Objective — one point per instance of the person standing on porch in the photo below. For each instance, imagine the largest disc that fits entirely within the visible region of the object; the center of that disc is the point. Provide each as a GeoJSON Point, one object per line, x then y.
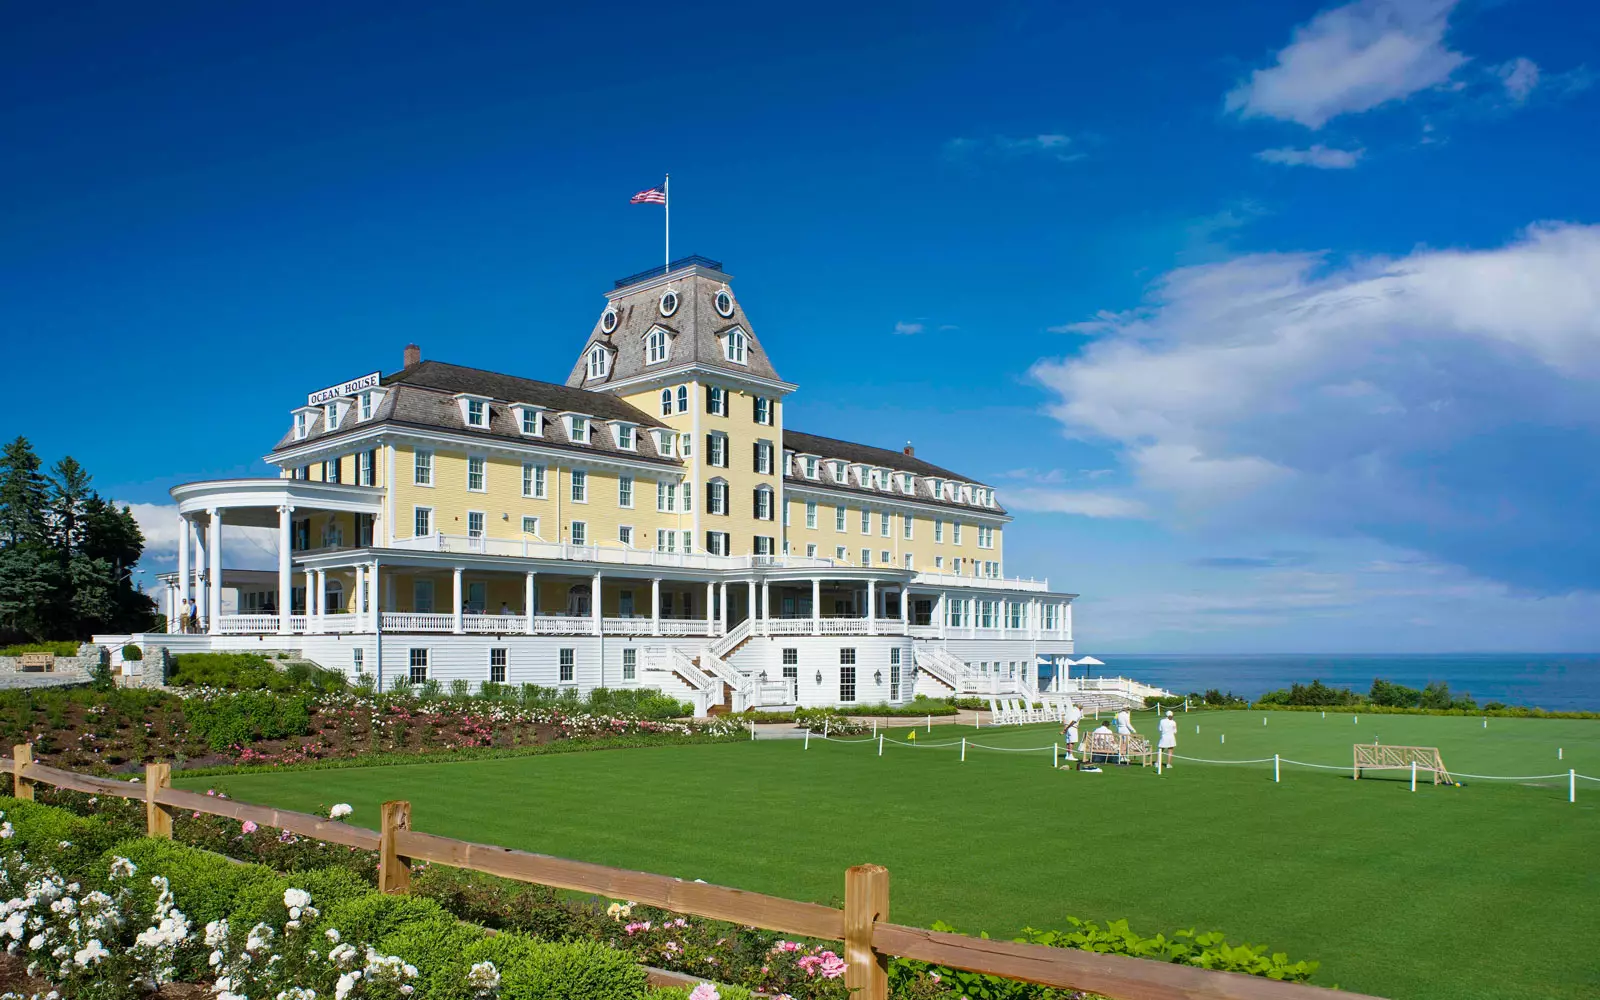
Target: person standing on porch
{"type": "Point", "coordinates": [1169, 737]}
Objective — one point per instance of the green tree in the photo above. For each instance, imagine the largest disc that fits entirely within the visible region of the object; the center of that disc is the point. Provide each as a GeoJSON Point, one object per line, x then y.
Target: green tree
{"type": "Point", "coordinates": [24, 493]}
{"type": "Point", "coordinates": [69, 497]}
{"type": "Point", "coordinates": [31, 586]}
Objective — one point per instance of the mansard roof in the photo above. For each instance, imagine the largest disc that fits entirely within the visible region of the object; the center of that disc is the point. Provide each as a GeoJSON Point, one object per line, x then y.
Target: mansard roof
{"type": "Point", "coordinates": [696, 327]}
{"type": "Point", "coordinates": [879, 458]}
{"type": "Point", "coordinates": [423, 396]}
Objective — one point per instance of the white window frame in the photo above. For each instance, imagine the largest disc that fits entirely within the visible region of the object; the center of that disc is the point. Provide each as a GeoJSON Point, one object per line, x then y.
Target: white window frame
{"type": "Point", "coordinates": [764, 453]}
{"type": "Point", "coordinates": [839, 473]}
{"type": "Point", "coordinates": [630, 663]}
{"type": "Point", "coordinates": [884, 528]}
{"type": "Point", "coordinates": [866, 521]}
{"type": "Point", "coordinates": [531, 422]}
{"type": "Point", "coordinates": [599, 362]}
{"type": "Point", "coordinates": [578, 491]}
{"type": "Point", "coordinates": [839, 518]}
{"type": "Point", "coordinates": [480, 409]}
{"type": "Point", "coordinates": [955, 532]}
{"type": "Point", "coordinates": [534, 480]}
{"type": "Point", "coordinates": [625, 534]}
{"type": "Point", "coordinates": [625, 492]}
{"type": "Point", "coordinates": [577, 428]}
{"type": "Point", "coordinates": [906, 526]}
{"type": "Point", "coordinates": [625, 437]}
{"type": "Point", "coordinates": [483, 523]}
{"type": "Point", "coordinates": [422, 468]}
{"type": "Point", "coordinates": [811, 514]}
{"type": "Point", "coordinates": [811, 466]}
{"type": "Point", "coordinates": [657, 346]}
{"type": "Point", "coordinates": [765, 408]}
{"type": "Point", "coordinates": [666, 497]}
{"type": "Point", "coordinates": [579, 533]}
{"type": "Point", "coordinates": [717, 400]}
{"type": "Point", "coordinates": [736, 347]}
{"type": "Point", "coordinates": [764, 501]}
{"type": "Point", "coordinates": [717, 497]}
{"type": "Point", "coordinates": [482, 464]}
{"type": "Point", "coordinates": [717, 449]}
{"type": "Point", "coordinates": [534, 529]}
{"type": "Point", "coordinates": [664, 440]}
{"type": "Point", "coordinates": [427, 515]}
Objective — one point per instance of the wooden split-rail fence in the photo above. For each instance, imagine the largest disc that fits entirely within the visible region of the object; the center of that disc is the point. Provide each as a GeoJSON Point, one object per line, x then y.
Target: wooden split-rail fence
{"type": "Point", "coordinates": [870, 940]}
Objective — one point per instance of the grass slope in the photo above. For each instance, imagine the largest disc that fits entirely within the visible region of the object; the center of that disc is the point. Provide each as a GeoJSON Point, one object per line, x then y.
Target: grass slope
{"type": "Point", "coordinates": [1481, 891]}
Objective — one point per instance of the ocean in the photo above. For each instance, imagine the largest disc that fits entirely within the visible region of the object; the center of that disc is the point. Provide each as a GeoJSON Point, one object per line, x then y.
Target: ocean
{"type": "Point", "coordinates": [1552, 681]}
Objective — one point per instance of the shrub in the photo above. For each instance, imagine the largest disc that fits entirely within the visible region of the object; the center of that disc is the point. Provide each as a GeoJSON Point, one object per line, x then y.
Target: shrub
{"type": "Point", "coordinates": [131, 653]}
{"type": "Point", "coordinates": [374, 917]}
{"type": "Point", "coordinates": [828, 720]}
{"type": "Point", "coordinates": [236, 719]}
{"type": "Point", "coordinates": [205, 885]}
{"type": "Point", "coordinates": [249, 672]}
{"type": "Point", "coordinates": [577, 970]}
{"type": "Point", "coordinates": [58, 648]}
{"type": "Point", "coordinates": [70, 843]}
{"type": "Point", "coordinates": [262, 900]}
{"type": "Point", "coordinates": [1315, 693]}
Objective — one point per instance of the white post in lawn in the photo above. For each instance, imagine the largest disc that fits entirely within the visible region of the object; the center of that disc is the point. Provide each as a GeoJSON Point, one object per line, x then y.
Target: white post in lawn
{"type": "Point", "coordinates": [808, 739]}
{"type": "Point", "coordinates": [880, 744]}
{"type": "Point", "coordinates": [1572, 784]}
{"type": "Point", "coordinates": [1413, 776]}
{"type": "Point", "coordinates": [1055, 757]}
{"type": "Point", "coordinates": [930, 723]}
{"type": "Point", "coordinates": [1224, 738]}
{"type": "Point", "coordinates": [963, 749]}
{"type": "Point", "coordinates": [1275, 777]}
{"type": "Point", "coordinates": [874, 727]}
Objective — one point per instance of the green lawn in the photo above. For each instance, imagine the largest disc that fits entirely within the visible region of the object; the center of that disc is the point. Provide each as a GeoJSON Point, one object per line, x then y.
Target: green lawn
{"type": "Point", "coordinates": [1482, 891]}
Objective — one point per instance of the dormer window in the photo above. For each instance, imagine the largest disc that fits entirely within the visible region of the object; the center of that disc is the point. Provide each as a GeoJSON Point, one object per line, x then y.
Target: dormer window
{"type": "Point", "coordinates": [906, 483]}
{"type": "Point", "coordinates": [530, 419]}
{"type": "Point", "coordinates": [624, 436]}
{"type": "Point", "coordinates": [599, 362]}
{"type": "Point", "coordinates": [366, 406]}
{"type": "Point", "coordinates": [330, 416]}
{"type": "Point", "coordinates": [477, 413]}
{"type": "Point", "coordinates": [838, 472]}
{"type": "Point", "coordinates": [936, 487]}
{"type": "Point", "coordinates": [664, 442]}
{"type": "Point", "coordinates": [578, 429]}
{"type": "Point", "coordinates": [657, 346]}
{"type": "Point", "coordinates": [735, 347]}
{"type": "Point", "coordinates": [811, 466]}
{"type": "Point", "coordinates": [300, 424]}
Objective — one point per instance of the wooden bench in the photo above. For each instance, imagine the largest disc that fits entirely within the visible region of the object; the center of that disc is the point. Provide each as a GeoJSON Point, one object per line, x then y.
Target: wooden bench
{"type": "Point", "coordinates": [1382, 757]}
{"type": "Point", "coordinates": [38, 662]}
{"type": "Point", "coordinates": [1111, 748]}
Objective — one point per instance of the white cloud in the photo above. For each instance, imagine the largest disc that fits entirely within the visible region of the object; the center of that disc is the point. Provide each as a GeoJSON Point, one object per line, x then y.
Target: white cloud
{"type": "Point", "coordinates": [242, 547]}
{"type": "Point", "coordinates": [1053, 145]}
{"type": "Point", "coordinates": [1319, 156]}
{"type": "Point", "coordinates": [1084, 502]}
{"type": "Point", "coordinates": [1519, 76]}
{"type": "Point", "coordinates": [1437, 401]}
{"type": "Point", "coordinates": [909, 329]}
{"type": "Point", "coordinates": [1352, 59]}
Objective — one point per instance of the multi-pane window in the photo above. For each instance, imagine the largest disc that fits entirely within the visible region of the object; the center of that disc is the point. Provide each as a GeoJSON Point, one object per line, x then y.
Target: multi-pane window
{"type": "Point", "coordinates": [580, 486]}
{"type": "Point", "coordinates": [299, 425]}
{"type": "Point", "coordinates": [686, 445]}
{"type": "Point", "coordinates": [630, 663]}
{"type": "Point", "coordinates": [666, 540]}
{"type": "Point", "coordinates": [847, 675]}
{"type": "Point", "coordinates": [568, 659]}
{"type": "Point", "coordinates": [599, 361]}
{"type": "Point", "coordinates": [664, 442]}
{"type": "Point", "coordinates": [883, 525]}
{"type": "Point", "coordinates": [717, 543]}
{"type": "Point", "coordinates": [910, 561]}
{"type": "Point", "coordinates": [763, 407]}
{"type": "Point", "coordinates": [625, 491]}
{"type": "Point", "coordinates": [580, 533]}
{"type": "Point", "coordinates": [840, 554]}
{"type": "Point", "coordinates": [811, 513]}
{"type": "Point", "coordinates": [985, 537]}
{"type": "Point", "coordinates": [955, 565]}
{"type": "Point", "coordinates": [866, 557]}
{"type": "Point", "coordinates": [716, 400]}
{"type": "Point", "coordinates": [475, 473]}
{"type": "Point", "coordinates": [838, 518]}
{"type": "Point", "coordinates": [763, 504]}
{"type": "Point", "coordinates": [530, 525]}
{"type": "Point", "coordinates": [811, 550]}
{"type": "Point", "coordinates": [906, 521]}
{"type": "Point", "coordinates": [1013, 614]}
{"type": "Point", "coordinates": [666, 402]}
{"type": "Point", "coordinates": [955, 532]}
{"type": "Point", "coordinates": [625, 534]}
{"type": "Point", "coordinates": [625, 437]}
{"type": "Point", "coordinates": [791, 657]}
{"type": "Point", "coordinates": [866, 521]}
{"type": "Point", "coordinates": [666, 496]}
{"type": "Point", "coordinates": [952, 617]}
{"type": "Point", "coordinates": [938, 531]}
{"type": "Point", "coordinates": [419, 665]}
{"type": "Point", "coordinates": [764, 458]}
{"type": "Point", "coordinates": [683, 399]}
{"type": "Point", "coordinates": [656, 346]}
{"type": "Point", "coordinates": [717, 497]}
{"type": "Point", "coordinates": [422, 468]}
{"type": "Point", "coordinates": [530, 422]}
{"type": "Point", "coordinates": [838, 472]}
{"type": "Point", "coordinates": [364, 468]}
{"type": "Point", "coordinates": [477, 413]}
{"type": "Point", "coordinates": [366, 406]}
{"type": "Point", "coordinates": [579, 430]}
{"type": "Point", "coordinates": [811, 466]}
{"type": "Point", "coordinates": [422, 521]}
{"type": "Point", "coordinates": [735, 347]}
{"type": "Point", "coordinates": [330, 416]}
{"type": "Point", "coordinates": [884, 557]}
{"type": "Point", "coordinates": [497, 665]}
{"type": "Point", "coordinates": [532, 480]}
{"type": "Point", "coordinates": [330, 470]}
{"type": "Point", "coordinates": [894, 674]}
{"type": "Point", "coordinates": [474, 524]}
{"type": "Point", "coordinates": [765, 545]}
{"type": "Point", "coordinates": [358, 659]}
{"type": "Point", "coordinates": [717, 450]}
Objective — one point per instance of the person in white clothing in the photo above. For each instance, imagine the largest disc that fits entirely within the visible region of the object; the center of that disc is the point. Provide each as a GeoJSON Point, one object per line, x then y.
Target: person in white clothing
{"type": "Point", "coordinates": [1169, 737]}
{"type": "Point", "coordinates": [1125, 723]}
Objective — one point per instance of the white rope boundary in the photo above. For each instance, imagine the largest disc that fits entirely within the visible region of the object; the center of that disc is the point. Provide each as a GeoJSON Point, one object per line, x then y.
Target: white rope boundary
{"type": "Point", "coordinates": [1066, 751]}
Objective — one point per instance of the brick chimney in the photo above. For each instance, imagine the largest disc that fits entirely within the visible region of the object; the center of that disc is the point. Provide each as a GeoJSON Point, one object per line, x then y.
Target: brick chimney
{"type": "Point", "coordinates": [413, 355]}
{"type": "Point", "coordinates": [910, 452]}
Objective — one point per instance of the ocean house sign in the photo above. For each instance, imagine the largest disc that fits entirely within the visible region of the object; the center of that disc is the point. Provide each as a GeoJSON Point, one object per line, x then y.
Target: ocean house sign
{"type": "Point", "coordinates": [349, 388]}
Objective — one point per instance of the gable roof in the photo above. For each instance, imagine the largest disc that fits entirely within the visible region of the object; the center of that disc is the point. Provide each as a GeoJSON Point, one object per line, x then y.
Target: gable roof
{"type": "Point", "coordinates": [512, 389]}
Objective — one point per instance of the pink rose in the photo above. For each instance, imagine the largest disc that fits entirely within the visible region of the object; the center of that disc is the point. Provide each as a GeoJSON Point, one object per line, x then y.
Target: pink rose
{"type": "Point", "coordinates": [250, 826]}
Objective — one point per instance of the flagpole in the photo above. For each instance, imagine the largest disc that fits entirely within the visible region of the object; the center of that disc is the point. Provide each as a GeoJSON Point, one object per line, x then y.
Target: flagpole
{"type": "Point", "coordinates": [666, 203]}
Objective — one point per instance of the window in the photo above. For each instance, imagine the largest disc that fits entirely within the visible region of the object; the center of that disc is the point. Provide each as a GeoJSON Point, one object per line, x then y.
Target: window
{"type": "Point", "coordinates": [985, 537]}
{"type": "Point", "coordinates": [763, 410]}
{"type": "Point", "coordinates": [764, 458]}
{"type": "Point", "coordinates": [475, 465]}
{"type": "Point", "coordinates": [568, 660]}
{"type": "Point", "coordinates": [953, 612]}
{"type": "Point", "coordinates": [530, 525]}
{"type": "Point", "coordinates": [580, 486]}
{"type": "Point", "coordinates": [422, 468]}
{"type": "Point", "coordinates": [791, 657]}
{"type": "Point", "coordinates": [811, 513]}
{"type": "Point", "coordinates": [883, 525]}
{"type": "Point", "coordinates": [625, 437]}
{"type": "Point", "coordinates": [938, 562]}
{"type": "Point", "coordinates": [717, 497]}
{"type": "Point", "coordinates": [630, 663]}
{"type": "Point", "coordinates": [811, 550]}
{"type": "Point", "coordinates": [847, 675]}
{"type": "Point", "coordinates": [811, 466]}
{"type": "Point", "coordinates": [299, 425]}
{"type": "Point", "coordinates": [497, 665]}
{"type": "Point", "coordinates": [599, 361]}
{"type": "Point", "coordinates": [474, 524]}
{"type": "Point", "coordinates": [763, 503]}
{"type": "Point", "coordinates": [686, 445]}
{"type": "Point", "coordinates": [578, 429]}
{"type": "Point", "coordinates": [866, 521]}
{"type": "Point", "coordinates": [735, 346]}
{"type": "Point", "coordinates": [580, 533]}
{"type": "Point", "coordinates": [664, 442]}
{"type": "Point", "coordinates": [838, 472]}
{"type": "Point", "coordinates": [358, 659]}
{"type": "Point", "coordinates": [866, 557]}
{"type": "Point", "coordinates": [683, 399]}
{"type": "Point", "coordinates": [331, 470]}
{"type": "Point", "coordinates": [666, 402]}
{"type": "Point", "coordinates": [330, 416]}
{"type": "Point", "coordinates": [419, 665]}
{"type": "Point", "coordinates": [477, 413]}
{"type": "Point", "coordinates": [625, 534]}
{"type": "Point", "coordinates": [332, 534]}
{"type": "Point", "coordinates": [955, 532]}
{"type": "Point", "coordinates": [656, 346]}
{"type": "Point", "coordinates": [956, 566]}
{"type": "Point", "coordinates": [717, 450]}
{"type": "Point", "coordinates": [938, 532]}
{"type": "Point", "coordinates": [666, 541]}
{"type": "Point", "coordinates": [625, 491]}
{"type": "Point", "coordinates": [422, 521]}
{"type": "Point", "coordinates": [1013, 614]}
{"type": "Point", "coordinates": [884, 557]}
{"type": "Point", "coordinates": [364, 468]}
{"type": "Point", "coordinates": [717, 543]}
{"type": "Point", "coordinates": [533, 480]}
{"type": "Point", "coordinates": [716, 400]}
{"type": "Point", "coordinates": [530, 422]}
{"type": "Point", "coordinates": [766, 545]}
{"type": "Point", "coordinates": [666, 496]}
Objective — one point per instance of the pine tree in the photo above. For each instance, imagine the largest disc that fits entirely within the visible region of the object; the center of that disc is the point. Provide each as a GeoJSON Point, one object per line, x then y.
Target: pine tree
{"type": "Point", "coordinates": [69, 494]}
{"type": "Point", "coordinates": [24, 494]}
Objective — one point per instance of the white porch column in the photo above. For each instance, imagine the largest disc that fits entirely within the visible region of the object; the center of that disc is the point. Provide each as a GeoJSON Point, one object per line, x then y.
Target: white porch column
{"type": "Point", "coordinates": [872, 607]}
{"type": "Point", "coordinates": [655, 605]}
{"type": "Point", "coordinates": [359, 598]}
{"type": "Point", "coordinates": [214, 575]}
{"type": "Point", "coordinates": [285, 567]}
{"type": "Point", "coordinates": [529, 595]}
{"type": "Point", "coordinates": [750, 607]}
{"type": "Point", "coordinates": [711, 607]}
{"type": "Point", "coordinates": [311, 601]}
{"type": "Point", "coordinates": [184, 568]}
{"type": "Point", "coordinates": [455, 605]}
{"type": "Point", "coordinates": [595, 609]}
{"type": "Point", "coordinates": [905, 605]}
{"type": "Point", "coordinates": [816, 605]}
{"type": "Point", "coordinates": [766, 607]}
{"type": "Point", "coordinates": [322, 600]}
{"type": "Point", "coordinates": [722, 608]}
{"type": "Point", "coordinates": [197, 549]}
{"type": "Point", "coordinates": [941, 611]}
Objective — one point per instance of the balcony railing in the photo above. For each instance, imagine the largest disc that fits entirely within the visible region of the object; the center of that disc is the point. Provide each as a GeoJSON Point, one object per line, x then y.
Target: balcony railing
{"type": "Point", "coordinates": [983, 582]}
{"type": "Point", "coordinates": [613, 555]}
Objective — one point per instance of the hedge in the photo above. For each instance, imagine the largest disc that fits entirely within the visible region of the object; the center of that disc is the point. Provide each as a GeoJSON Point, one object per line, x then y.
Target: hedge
{"type": "Point", "coordinates": [58, 648]}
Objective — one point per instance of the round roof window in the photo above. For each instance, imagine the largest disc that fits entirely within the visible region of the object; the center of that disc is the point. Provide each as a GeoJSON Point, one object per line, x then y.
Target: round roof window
{"type": "Point", "coordinates": [724, 303]}
{"type": "Point", "coordinates": [669, 303]}
{"type": "Point", "coordinates": [608, 320]}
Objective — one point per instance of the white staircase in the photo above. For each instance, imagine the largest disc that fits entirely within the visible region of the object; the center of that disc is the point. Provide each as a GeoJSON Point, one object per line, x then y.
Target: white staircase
{"type": "Point", "coordinates": [671, 670]}
{"type": "Point", "coordinates": [938, 673]}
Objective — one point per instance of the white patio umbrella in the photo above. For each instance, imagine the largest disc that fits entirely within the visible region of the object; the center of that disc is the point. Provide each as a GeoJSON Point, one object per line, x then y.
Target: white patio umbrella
{"type": "Point", "coordinates": [1089, 661]}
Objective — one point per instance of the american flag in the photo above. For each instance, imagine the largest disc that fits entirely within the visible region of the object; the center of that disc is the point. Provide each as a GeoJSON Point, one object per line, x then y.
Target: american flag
{"type": "Point", "coordinates": [650, 196]}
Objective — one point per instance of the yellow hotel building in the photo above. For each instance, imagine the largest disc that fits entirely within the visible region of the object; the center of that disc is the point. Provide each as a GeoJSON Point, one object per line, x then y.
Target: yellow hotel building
{"type": "Point", "coordinates": [649, 522]}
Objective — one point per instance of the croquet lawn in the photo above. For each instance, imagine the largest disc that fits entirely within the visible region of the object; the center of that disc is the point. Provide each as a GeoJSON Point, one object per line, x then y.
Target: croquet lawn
{"type": "Point", "coordinates": [1487, 890]}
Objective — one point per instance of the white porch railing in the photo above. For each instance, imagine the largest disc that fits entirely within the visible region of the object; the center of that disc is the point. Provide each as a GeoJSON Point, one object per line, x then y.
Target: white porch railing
{"type": "Point", "coordinates": [341, 623]}
{"type": "Point", "coordinates": [249, 624]}
{"type": "Point", "coordinates": [607, 554]}
{"type": "Point", "coordinates": [982, 582]}
{"type": "Point", "coordinates": [628, 626]}
{"type": "Point", "coordinates": [406, 621]}
{"type": "Point", "coordinates": [687, 626]}
{"type": "Point", "coordinates": [563, 625]}
{"type": "Point", "coordinates": [494, 624]}
{"type": "Point", "coordinates": [1125, 686]}
{"type": "Point", "coordinates": [786, 626]}
{"type": "Point", "coordinates": [735, 635]}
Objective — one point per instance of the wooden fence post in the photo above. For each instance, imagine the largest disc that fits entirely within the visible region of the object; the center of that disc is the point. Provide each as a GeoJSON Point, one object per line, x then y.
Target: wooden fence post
{"type": "Point", "coordinates": [394, 872]}
{"type": "Point", "coordinates": [21, 757]}
{"type": "Point", "coordinates": [866, 901]}
{"type": "Point", "coordinates": [157, 817]}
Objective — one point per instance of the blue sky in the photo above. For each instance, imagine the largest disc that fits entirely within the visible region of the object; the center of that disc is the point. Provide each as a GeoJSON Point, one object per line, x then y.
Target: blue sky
{"type": "Point", "coordinates": [1276, 324]}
